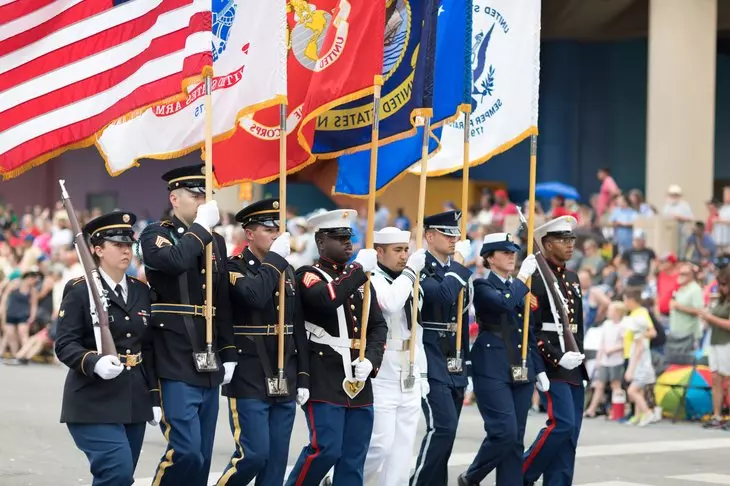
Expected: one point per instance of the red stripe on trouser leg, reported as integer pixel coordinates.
(541, 442)
(308, 462)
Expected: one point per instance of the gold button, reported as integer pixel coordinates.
(162, 325)
(129, 351)
(240, 351)
(276, 294)
(519, 315)
(128, 368)
(352, 307)
(126, 318)
(321, 353)
(354, 329)
(354, 318)
(203, 285)
(202, 270)
(277, 307)
(129, 334)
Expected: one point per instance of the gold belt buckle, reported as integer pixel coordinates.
(354, 344)
(451, 327)
(130, 360)
(574, 328)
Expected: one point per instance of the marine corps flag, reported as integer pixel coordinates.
(249, 72)
(347, 129)
(335, 49)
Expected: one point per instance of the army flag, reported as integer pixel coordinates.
(506, 80)
(335, 50)
(249, 73)
(444, 67)
(70, 67)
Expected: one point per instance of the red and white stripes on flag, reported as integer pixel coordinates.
(68, 68)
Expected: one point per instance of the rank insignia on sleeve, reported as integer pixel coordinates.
(162, 241)
(233, 276)
(310, 279)
(533, 303)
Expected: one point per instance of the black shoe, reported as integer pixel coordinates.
(462, 480)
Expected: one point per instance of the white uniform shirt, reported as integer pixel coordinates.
(392, 297)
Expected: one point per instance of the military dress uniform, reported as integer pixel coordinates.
(174, 259)
(552, 455)
(441, 283)
(339, 426)
(503, 401)
(396, 406)
(262, 424)
(106, 417)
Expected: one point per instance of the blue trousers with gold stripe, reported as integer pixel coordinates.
(112, 450)
(189, 415)
(261, 431)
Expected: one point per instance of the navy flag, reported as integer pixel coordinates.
(445, 73)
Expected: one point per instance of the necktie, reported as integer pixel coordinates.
(118, 291)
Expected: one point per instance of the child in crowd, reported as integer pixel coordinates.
(640, 372)
(609, 358)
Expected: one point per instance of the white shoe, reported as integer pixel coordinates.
(658, 414)
(646, 419)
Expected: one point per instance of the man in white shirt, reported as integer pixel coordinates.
(398, 388)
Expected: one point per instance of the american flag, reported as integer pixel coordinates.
(68, 68)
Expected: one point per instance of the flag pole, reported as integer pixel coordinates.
(282, 385)
(208, 198)
(530, 248)
(419, 234)
(466, 108)
(355, 387)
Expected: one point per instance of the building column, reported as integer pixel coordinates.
(681, 100)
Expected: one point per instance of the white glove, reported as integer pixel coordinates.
(282, 245)
(463, 247)
(571, 360)
(529, 265)
(417, 261)
(362, 368)
(367, 258)
(208, 215)
(302, 396)
(229, 368)
(542, 383)
(425, 388)
(156, 416)
(108, 367)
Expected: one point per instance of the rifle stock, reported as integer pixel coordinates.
(97, 294)
(552, 286)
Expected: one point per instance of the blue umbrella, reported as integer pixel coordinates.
(547, 190)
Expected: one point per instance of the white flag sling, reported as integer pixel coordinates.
(505, 85)
(249, 73)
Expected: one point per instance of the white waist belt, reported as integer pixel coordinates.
(549, 326)
(319, 335)
(399, 345)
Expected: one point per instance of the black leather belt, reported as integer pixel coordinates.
(189, 310)
(269, 330)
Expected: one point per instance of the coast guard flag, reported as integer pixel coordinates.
(446, 74)
(70, 67)
(506, 81)
(348, 128)
(334, 53)
(249, 73)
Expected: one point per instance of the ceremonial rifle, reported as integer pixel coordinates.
(558, 302)
(98, 302)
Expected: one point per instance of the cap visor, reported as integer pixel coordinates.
(449, 232)
(120, 239)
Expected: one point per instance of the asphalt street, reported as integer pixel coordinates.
(36, 450)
